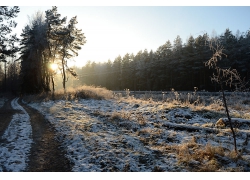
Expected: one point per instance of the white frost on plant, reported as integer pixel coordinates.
(96, 142)
(16, 141)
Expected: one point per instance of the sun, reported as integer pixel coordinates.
(53, 67)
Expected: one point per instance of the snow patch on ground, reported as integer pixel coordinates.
(94, 143)
(16, 141)
(97, 140)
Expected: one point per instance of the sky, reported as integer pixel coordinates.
(113, 29)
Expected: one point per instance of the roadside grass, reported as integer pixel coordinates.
(199, 158)
(192, 100)
(195, 101)
(83, 92)
(141, 121)
(193, 156)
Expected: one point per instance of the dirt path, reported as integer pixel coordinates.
(46, 153)
(6, 113)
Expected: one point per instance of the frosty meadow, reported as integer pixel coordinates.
(102, 130)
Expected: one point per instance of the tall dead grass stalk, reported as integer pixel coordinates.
(83, 92)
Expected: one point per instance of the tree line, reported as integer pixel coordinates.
(175, 65)
(44, 44)
(46, 41)
(50, 40)
(8, 48)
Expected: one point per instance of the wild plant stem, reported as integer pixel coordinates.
(229, 119)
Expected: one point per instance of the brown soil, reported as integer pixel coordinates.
(46, 153)
(6, 113)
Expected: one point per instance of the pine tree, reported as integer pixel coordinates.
(109, 77)
(116, 72)
(54, 24)
(33, 48)
(125, 69)
(7, 40)
(178, 64)
(70, 39)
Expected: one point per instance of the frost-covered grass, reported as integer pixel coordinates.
(86, 92)
(131, 134)
(16, 141)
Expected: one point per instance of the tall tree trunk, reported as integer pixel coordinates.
(64, 74)
(53, 87)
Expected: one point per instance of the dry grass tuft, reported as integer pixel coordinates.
(215, 107)
(234, 155)
(246, 116)
(220, 123)
(199, 158)
(206, 159)
(237, 106)
(115, 116)
(84, 92)
(89, 92)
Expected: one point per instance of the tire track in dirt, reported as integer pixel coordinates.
(46, 154)
(6, 113)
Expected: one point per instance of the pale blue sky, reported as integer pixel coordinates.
(116, 30)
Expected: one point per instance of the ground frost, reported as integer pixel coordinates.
(106, 135)
(16, 141)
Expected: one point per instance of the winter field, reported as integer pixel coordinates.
(105, 131)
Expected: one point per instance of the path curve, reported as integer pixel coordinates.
(16, 140)
(6, 113)
(46, 154)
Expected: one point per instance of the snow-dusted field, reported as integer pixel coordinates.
(16, 141)
(134, 135)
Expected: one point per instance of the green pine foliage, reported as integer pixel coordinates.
(46, 41)
(175, 65)
(51, 39)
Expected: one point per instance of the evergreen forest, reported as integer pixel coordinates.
(27, 63)
(176, 65)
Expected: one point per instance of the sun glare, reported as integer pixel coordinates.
(53, 67)
(116, 42)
